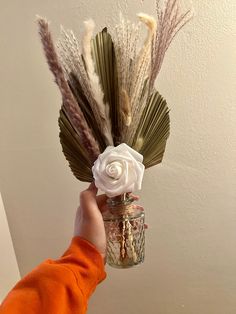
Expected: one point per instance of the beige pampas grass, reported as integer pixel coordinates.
(126, 108)
(70, 106)
(151, 24)
(139, 144)
(142, 69)
(125, 38)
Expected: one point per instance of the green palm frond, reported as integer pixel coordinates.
(105, 65)
(75, 153)
(153, 130)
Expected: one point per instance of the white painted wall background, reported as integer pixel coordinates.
(190, 199)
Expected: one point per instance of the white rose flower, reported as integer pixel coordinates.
(118, 170)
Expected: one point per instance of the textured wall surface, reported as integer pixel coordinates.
(190, 199)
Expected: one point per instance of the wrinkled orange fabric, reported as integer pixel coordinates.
(62, 286)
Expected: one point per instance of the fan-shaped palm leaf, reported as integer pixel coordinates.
(153, 130)
(74, 150)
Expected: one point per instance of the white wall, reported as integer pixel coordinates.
(190, 199)
(9, 272)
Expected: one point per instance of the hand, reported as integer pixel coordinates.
(89, 222)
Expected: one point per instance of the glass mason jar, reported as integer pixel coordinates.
(124, 225)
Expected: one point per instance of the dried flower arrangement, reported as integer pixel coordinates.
(113, 123)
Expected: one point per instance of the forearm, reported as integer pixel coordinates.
(60, 286)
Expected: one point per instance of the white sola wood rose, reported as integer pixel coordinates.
(118, 170)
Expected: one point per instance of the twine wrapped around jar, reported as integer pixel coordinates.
(124, 225)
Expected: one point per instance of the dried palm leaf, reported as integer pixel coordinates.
(153, 130)
(105, 66)
(102, 109)
(74, 151)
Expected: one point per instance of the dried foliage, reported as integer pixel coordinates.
(70, 107)
(170, 19)
(153, 130)
(107, 86)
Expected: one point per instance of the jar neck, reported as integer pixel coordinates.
(121, 203)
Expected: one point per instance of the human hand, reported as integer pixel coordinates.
(89, 222)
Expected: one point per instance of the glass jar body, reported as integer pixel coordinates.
(125, 232)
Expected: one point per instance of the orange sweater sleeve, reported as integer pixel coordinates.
(58, 287)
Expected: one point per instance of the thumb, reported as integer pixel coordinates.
(88, 202)
(92, 187)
